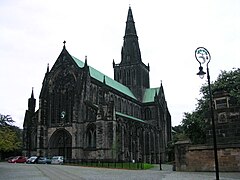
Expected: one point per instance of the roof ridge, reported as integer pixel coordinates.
(96, 74)
(130, 117)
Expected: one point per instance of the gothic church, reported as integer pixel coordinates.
(84, 114)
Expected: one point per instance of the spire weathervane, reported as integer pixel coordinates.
(64, 42)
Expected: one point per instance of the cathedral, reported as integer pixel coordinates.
(86, 115)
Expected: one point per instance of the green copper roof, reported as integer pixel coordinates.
(79, 63)
(129, 117)
(149, 94)
(109, 81)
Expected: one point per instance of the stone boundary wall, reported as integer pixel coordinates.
(201, 157)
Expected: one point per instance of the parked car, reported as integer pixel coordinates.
(32, 160)
(57, 160)
(9, 158)
(18, 159)
(44, 160)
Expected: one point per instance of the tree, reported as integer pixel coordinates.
(228, 81)
(178, 135)
(5, 120)
(193, 124)
(194, 127)
(9, 140)
(10, 135)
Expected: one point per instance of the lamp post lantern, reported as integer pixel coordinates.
(203, 57)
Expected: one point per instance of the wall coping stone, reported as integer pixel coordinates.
(219, 146)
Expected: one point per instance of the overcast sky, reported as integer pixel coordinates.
(32, 34)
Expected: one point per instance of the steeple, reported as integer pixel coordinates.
(131, 71)
(130, 24)
(32, 103)
(130, 51)
(32, 95)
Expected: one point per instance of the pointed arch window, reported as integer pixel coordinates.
(134, 77)
(91, 114)
(33, 140)
(120, 74)
(124, 77)
(119, 105)
(91, 93)
(148, 114)
(61, 98)
(128, 77)
(91, 136)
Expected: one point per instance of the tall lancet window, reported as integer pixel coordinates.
(91, 136)
(62, 98)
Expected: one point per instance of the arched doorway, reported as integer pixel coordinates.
(61, 144)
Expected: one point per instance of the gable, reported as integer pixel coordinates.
(149, 94)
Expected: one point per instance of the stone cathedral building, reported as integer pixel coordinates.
(84, 114)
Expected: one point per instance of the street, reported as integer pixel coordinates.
(10, 171)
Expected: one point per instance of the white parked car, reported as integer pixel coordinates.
(31, 160)
(57, 160)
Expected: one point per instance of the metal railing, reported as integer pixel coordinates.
(105, 163)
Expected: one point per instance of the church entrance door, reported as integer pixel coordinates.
(61, 144)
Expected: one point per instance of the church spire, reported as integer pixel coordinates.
(32, 103)
(130, 50)
(130, 24)
(131, 71)
(32, 96)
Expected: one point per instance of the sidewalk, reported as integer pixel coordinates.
(171, 175)
(165, 167)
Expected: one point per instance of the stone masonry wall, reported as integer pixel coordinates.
(201, 157)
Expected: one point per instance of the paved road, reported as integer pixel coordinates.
(61, 172)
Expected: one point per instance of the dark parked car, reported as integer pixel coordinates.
(18, 159)
(44, 160)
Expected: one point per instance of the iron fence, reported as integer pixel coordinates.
(105, 163)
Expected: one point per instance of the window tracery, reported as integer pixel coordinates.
(61, 98)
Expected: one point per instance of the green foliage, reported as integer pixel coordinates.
(179, 134)
(9, 140)
(194, 127)
(193, 124)
(5, 120)
(228, 81)
(10, 135)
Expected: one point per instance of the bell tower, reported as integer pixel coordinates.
(131, 71)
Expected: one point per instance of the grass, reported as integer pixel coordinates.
(131, 166)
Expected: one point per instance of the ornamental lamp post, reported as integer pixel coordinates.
(203, 57)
